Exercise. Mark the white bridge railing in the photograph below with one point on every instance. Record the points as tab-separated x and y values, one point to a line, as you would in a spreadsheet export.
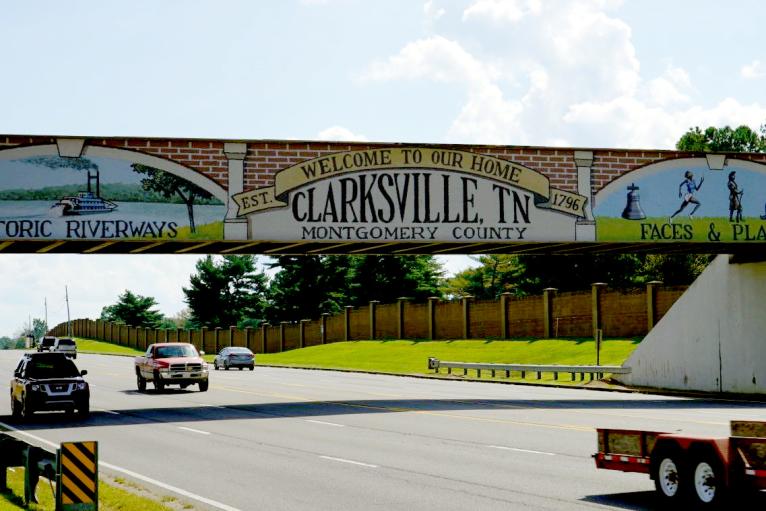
523	369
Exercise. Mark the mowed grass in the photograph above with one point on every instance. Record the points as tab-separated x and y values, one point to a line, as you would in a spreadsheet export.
411	357
111	498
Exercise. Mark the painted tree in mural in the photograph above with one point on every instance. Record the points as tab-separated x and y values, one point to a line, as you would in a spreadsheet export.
169	185
742	140
134	310
226	291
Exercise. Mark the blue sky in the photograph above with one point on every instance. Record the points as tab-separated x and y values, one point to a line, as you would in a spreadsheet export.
584	73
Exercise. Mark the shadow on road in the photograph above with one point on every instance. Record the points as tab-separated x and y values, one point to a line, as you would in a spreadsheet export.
648	500
301	409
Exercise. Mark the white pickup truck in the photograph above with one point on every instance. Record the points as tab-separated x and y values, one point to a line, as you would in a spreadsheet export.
65	345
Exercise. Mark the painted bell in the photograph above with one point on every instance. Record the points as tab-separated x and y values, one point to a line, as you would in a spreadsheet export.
633	209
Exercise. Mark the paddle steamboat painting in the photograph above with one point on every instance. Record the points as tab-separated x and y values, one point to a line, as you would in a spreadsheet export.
49	196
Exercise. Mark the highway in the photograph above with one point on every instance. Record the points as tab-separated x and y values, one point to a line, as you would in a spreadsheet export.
289	439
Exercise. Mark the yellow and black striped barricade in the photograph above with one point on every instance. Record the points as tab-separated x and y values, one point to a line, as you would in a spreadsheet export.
77	481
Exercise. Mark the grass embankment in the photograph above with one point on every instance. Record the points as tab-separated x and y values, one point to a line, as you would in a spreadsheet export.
410	357
111	497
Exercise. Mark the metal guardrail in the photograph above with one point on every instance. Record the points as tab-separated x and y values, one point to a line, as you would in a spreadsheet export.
523	369
73	469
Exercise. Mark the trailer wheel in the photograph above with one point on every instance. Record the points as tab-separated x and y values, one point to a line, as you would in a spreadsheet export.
667	475
706	478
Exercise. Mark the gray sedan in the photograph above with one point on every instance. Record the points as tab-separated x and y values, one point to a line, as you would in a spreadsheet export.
234	357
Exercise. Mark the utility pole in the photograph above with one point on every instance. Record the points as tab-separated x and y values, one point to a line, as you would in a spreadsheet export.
68	320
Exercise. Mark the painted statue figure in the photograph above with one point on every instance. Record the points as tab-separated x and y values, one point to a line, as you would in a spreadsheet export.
735	199
686	191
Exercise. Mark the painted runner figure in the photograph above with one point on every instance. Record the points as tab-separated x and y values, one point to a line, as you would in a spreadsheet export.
735	199
686	190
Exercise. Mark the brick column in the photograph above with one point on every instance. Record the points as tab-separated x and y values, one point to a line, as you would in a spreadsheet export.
432	300
235	228
323	327
231	335
248	335
400	330
548	294
504	298
373	304
347	327
302	341
282	336
585	228
203	334
651	304
596	291
467	316
264	328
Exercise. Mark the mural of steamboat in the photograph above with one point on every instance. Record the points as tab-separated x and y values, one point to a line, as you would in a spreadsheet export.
84	203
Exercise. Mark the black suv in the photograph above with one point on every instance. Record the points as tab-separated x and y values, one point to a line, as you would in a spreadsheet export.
46	343
48	381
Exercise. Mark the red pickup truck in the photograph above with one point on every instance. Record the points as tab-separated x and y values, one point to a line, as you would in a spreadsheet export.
171	363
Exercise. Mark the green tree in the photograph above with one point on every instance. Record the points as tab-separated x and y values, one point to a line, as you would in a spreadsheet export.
169	185
39	328
304	287
742	140
386	278
134	310
496	274
225	292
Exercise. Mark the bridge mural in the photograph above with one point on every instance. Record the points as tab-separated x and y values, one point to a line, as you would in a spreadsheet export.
155	195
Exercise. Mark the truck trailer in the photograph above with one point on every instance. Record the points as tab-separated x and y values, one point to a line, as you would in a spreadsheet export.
688	469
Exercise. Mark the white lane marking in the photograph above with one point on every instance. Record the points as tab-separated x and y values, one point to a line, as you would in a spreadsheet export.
135	475
326	423
194	430
112	412
212	406
342	460
521	450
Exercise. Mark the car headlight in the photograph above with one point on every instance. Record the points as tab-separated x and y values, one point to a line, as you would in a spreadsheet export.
35	388
82	385
204	366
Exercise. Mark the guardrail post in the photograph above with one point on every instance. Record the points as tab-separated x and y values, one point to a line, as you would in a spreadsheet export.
400	302
651	304
467	316
373	306
347	323
432	300
323	327
504	298
596	291
548	294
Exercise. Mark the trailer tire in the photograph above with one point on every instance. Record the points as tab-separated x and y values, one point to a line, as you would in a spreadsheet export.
668	475
706	484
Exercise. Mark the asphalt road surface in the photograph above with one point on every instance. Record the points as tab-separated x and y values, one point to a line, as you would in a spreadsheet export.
288	439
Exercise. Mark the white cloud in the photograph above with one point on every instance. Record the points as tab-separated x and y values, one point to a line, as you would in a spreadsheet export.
432	12
499	11
568	74
341	134
669	88
753	70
